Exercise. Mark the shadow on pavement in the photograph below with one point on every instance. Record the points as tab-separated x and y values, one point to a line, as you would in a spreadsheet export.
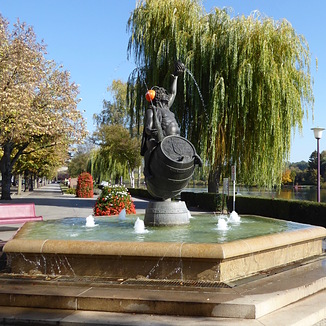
66	201
51	195
61	202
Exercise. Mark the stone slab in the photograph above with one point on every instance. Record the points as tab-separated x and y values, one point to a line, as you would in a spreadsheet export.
248	300
49	317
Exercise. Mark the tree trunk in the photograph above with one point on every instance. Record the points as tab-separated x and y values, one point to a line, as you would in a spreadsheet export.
19	190
6	164
6	182
139	175
26	182
6	169
31	185
116	180
132	178
213	180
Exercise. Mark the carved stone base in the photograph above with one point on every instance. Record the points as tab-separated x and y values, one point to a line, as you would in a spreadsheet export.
160	213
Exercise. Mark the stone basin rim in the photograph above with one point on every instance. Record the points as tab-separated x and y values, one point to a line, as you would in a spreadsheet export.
165	249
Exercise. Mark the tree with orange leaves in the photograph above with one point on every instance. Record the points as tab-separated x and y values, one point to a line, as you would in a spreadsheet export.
38	103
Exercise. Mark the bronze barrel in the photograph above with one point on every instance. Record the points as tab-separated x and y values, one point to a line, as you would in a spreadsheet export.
171	166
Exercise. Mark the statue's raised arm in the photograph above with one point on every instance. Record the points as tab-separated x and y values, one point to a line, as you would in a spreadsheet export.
179	69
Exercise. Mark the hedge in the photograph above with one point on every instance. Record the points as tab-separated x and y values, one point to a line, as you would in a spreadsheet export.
290	210
301	211
203	200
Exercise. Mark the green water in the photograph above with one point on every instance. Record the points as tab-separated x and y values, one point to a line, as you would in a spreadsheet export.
202	229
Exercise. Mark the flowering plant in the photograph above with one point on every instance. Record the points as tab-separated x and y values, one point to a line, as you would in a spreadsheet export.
112	200
84	187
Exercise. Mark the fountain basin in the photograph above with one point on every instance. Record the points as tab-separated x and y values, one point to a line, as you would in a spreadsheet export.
219	262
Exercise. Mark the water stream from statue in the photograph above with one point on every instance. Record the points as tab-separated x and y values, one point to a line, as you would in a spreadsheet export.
194	80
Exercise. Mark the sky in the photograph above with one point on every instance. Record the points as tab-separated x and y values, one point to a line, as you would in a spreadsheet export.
90	39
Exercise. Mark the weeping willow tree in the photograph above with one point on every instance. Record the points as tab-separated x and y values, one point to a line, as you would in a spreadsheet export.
104	167
117	155
253	74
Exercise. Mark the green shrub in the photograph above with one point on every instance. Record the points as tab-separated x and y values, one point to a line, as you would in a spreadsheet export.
203	200
70	191
307	212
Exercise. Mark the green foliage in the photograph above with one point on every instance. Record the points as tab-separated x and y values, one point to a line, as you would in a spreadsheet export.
113	200
253	73
80	159
299	172
323	164
84	187
312	167
118	151
70	191
98	167
115	112
41	162
78	164
66	190
306	172
204	201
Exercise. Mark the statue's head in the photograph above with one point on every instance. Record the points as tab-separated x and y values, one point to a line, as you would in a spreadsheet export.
160	95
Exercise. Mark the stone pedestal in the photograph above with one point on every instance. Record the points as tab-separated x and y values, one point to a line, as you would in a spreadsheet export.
160	213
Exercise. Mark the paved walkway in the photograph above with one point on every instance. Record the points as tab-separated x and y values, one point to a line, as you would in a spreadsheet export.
52	204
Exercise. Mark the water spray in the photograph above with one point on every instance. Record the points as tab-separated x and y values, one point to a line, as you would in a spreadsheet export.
233	178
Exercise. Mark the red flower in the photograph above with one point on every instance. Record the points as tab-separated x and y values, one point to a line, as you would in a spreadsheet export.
113	200
84	186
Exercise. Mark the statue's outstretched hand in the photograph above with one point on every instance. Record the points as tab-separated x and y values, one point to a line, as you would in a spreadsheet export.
179	68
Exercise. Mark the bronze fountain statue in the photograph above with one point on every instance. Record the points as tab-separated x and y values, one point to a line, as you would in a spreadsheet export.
169	158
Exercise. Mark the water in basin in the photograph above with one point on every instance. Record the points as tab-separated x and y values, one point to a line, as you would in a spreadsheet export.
203	228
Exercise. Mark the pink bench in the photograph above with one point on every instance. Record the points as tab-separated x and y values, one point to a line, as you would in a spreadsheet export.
18	213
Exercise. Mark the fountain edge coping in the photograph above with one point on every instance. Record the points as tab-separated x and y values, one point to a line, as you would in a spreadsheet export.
165	249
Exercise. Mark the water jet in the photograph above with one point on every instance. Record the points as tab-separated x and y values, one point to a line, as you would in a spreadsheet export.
90	222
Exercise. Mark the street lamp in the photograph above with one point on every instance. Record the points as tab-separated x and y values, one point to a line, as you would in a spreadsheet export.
318	133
